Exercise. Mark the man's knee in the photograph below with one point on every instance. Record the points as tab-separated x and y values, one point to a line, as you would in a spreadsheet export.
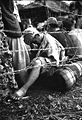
39	61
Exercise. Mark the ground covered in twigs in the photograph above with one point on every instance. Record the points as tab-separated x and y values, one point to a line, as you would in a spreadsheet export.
45	105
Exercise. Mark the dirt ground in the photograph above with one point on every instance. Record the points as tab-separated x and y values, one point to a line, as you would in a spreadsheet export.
45	104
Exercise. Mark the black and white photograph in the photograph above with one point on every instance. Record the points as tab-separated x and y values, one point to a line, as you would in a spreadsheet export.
40	60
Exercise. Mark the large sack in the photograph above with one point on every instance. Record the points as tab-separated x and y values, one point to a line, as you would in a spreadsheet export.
76	36
65	40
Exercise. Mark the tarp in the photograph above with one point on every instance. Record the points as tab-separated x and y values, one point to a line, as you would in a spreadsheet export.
36	11
39	12
49	4
54	6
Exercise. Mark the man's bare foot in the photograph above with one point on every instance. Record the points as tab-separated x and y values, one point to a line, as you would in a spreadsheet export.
19	94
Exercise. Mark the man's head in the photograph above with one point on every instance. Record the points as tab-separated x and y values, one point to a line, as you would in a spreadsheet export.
52	21
38	38
68	24
52	24
31	32
32	35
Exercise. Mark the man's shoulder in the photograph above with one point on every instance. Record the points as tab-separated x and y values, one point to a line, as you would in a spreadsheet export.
75	31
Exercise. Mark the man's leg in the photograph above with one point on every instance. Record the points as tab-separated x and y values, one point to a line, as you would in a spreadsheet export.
31	79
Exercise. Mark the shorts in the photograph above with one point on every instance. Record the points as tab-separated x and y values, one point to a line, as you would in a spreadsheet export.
46	64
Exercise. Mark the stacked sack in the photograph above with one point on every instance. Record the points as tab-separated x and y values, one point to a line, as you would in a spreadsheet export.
7	77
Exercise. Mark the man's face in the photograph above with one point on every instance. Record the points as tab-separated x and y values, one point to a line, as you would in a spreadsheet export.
37	38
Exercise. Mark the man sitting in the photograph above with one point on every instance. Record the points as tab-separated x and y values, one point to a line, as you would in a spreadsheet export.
49	50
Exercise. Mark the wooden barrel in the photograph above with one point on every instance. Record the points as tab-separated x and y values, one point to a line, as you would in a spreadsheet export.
68	75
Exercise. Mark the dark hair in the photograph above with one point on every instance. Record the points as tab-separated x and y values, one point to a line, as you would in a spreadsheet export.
68	23
53	25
